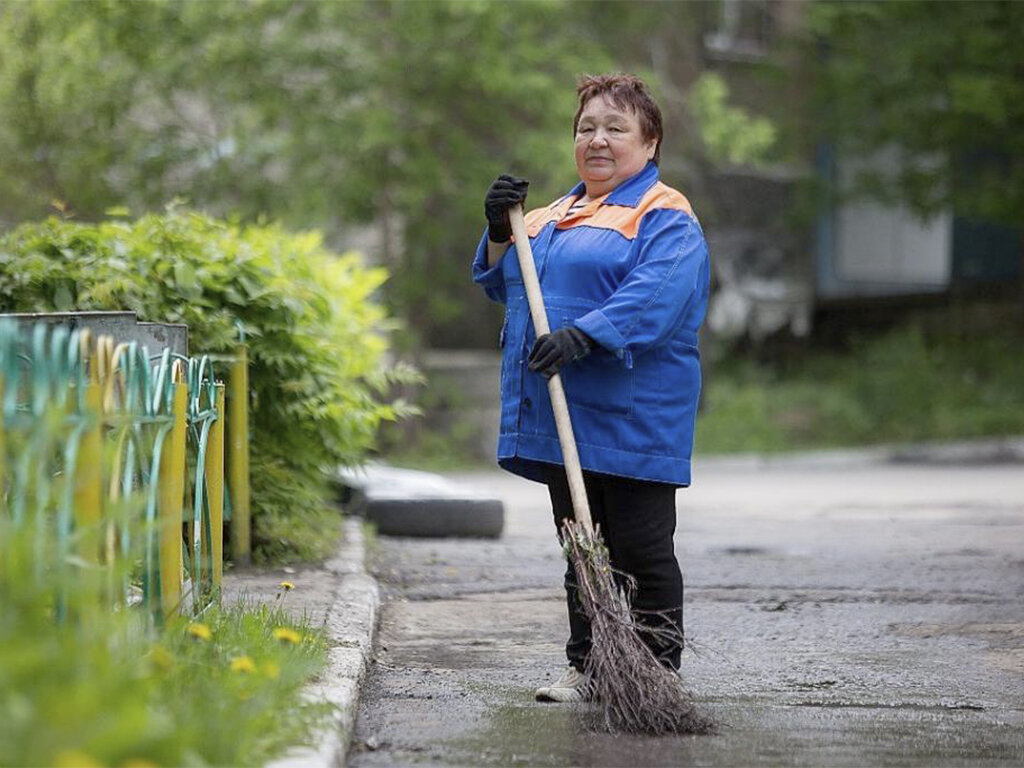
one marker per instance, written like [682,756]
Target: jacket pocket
[599,382]
[510,341]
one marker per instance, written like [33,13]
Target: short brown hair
[625,92]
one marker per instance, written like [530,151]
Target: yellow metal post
[238,459]
[115,595]
[171,503]
[88,478]
[214,471]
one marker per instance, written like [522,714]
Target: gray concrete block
[123,326]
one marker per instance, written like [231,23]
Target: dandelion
[243,664]
[72,758]
[286,635]
[199,631]
[161,658]
[287,586]
[138,762]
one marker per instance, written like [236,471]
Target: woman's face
[609,146]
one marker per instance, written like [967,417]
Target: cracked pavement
[837,615]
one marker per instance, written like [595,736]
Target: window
[743,29]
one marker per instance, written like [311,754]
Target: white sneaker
[572,686]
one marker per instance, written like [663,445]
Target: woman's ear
[651,149]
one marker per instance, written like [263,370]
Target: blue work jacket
[631,271]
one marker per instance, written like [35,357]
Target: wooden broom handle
[558,403]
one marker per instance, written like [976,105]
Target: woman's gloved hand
[505,192]
[553,350]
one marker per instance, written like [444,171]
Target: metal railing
[118,457]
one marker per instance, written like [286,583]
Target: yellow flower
[271,670]
[286,586]
[72,758]
[138,762]
[243,664]
[199,631]
[286,635]
[161,658]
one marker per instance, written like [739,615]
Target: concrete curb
[351,625]
[1000,450]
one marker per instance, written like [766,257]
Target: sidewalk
[341,596]
[999,450]
[840,613]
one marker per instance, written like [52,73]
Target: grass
[911,384]
[83,685]
[308,533]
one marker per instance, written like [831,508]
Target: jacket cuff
[600,329]
[481,272]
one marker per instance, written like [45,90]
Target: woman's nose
[599,138]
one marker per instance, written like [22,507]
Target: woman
[624,270]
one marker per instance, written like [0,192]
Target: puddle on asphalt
[522,732]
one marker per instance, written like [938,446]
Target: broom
[639,695]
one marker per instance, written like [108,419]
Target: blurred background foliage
[381,123]
[919,381]
[327,115]
[937,80]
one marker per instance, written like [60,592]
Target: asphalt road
[837,615]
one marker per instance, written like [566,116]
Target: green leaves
[729,133]
[315,331]
[320,114]
[62,298]
[938,81]
[185,280]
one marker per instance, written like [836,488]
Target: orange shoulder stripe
[622,219]
[626,220]
[539,217]
[663,196]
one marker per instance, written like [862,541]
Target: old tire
[436,518]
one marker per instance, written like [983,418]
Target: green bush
[316,337]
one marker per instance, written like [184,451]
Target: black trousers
[637,520]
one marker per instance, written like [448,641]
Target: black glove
[505,192]
[553,350]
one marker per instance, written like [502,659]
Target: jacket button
[527,403]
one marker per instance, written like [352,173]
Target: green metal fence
[119,457]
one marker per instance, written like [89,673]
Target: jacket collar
[629,193]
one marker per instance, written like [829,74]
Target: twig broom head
[639,694]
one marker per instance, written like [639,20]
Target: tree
[940,82]
[318,114]
[330,114]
